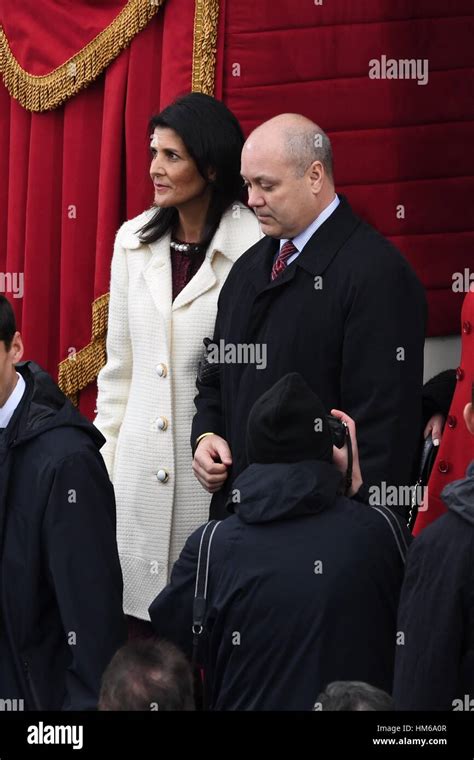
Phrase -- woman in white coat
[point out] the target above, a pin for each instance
(168, 267)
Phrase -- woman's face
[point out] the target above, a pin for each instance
(173, 172)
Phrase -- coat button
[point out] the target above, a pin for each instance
(466, 327)
(459, 373)
(161, 370)
(162, 423)
(162, 476)
(452, 420)
(443, 466)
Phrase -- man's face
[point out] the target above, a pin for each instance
(283, 201)
(8, 359)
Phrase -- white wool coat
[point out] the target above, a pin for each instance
(146, 391)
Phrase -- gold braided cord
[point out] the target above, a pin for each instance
(43, 93)
(206, 17)
(82, 368)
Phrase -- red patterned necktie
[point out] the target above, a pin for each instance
(287, 250)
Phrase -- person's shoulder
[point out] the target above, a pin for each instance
(373, 261)
(372, 243)
(376, 253)
(368, 243)
(450, 531)
(239, 216)
(247, 256)
(68, 441)
(128, 235)
(214, 533)
(442, 553)
(381, 527)
(238, 231)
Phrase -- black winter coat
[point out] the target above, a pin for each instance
(61, 616)
(435, 666)
(356, 335)
(303, 590)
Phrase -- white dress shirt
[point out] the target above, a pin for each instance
(300, 240)
(8, 409)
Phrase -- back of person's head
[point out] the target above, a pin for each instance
(7, 322)
(288, 424)
(353, 695)
(147, 675)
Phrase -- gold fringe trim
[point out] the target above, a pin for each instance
(80, 369)
(43, 93)
(206, 17)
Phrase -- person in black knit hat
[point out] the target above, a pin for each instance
(303, 582)
(288, 424)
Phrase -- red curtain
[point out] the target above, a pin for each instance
(396, 143)
(69, 177)
(42, 36)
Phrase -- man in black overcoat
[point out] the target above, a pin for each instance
(322, 294)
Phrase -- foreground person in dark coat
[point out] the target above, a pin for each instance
(303, 582)
(60, 580)
(346, 311)
(435, 666)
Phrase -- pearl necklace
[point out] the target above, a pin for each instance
(186, 247)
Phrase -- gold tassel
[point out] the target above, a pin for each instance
(43, 93)
(206, 17)
(82, 368)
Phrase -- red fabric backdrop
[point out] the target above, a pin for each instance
(69, 177)
(395, 142)
(44, 36)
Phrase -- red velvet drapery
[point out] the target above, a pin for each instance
(396, 142)
(44, 36)
(70, 176)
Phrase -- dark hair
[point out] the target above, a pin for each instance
(214, 139)
(354, 695)
(7, 322)
(147, 674)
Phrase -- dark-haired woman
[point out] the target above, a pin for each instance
(168, 267)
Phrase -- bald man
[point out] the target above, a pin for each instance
(322, 294)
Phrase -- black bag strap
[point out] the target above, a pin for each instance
(396, 528)
(200, 591)
(414, 505)
(428, 456)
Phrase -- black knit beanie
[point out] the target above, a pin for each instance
(288, 424)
